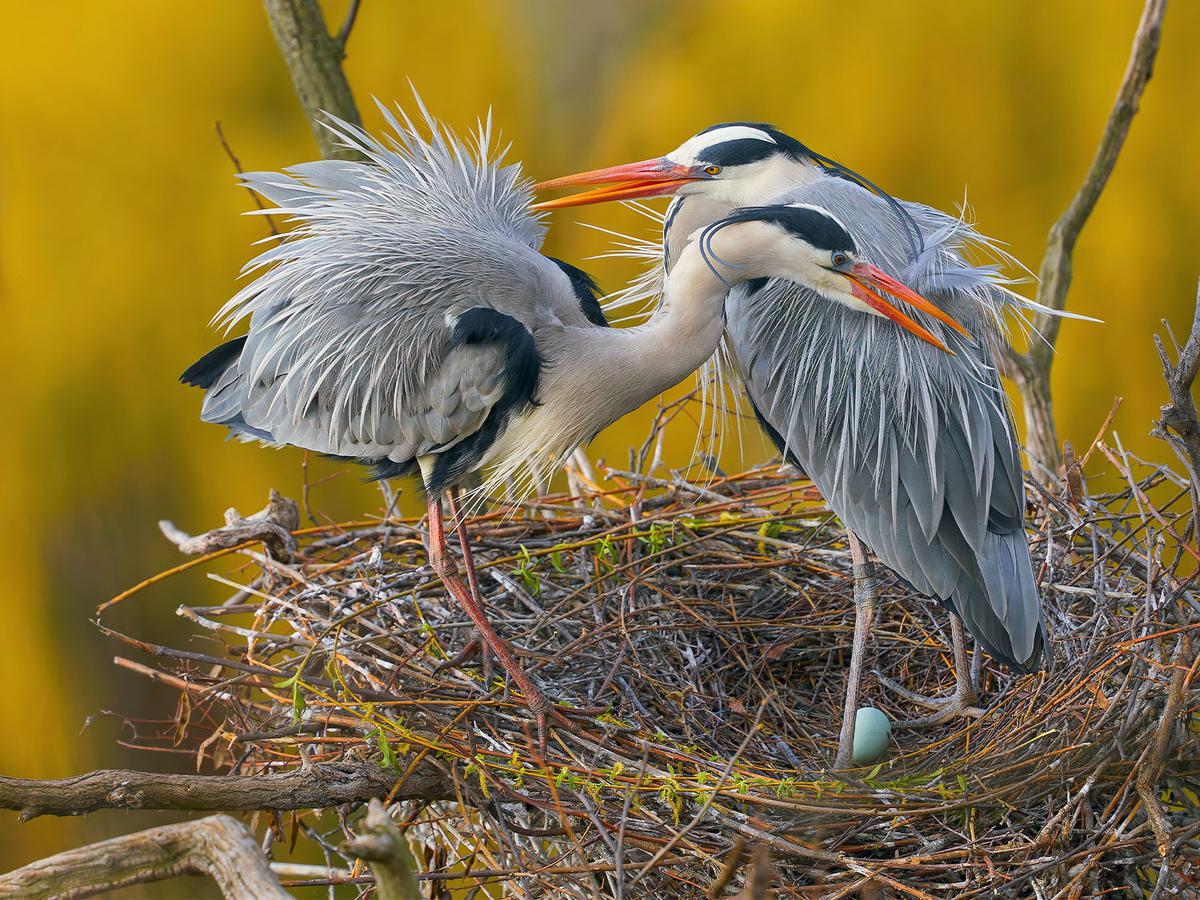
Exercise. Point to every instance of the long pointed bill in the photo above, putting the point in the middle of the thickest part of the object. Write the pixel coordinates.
(648, 178)
(866, 283)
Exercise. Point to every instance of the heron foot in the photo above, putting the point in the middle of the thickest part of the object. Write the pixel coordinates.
(959, 704)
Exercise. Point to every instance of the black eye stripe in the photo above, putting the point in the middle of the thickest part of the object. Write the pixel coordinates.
(737, 152)
(813, 226)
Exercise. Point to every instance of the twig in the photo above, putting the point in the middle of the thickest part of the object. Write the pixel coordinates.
(1031, 369)
(237, 167)
(1151, 767)
(343, 35)
(219, 847)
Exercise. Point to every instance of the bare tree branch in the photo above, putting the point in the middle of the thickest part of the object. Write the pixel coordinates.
(381, 843)
(314, 59)
(1179, 425)
(343, 35)
(273, 525)
(219, 847)
(315, 787)
(1031, 369)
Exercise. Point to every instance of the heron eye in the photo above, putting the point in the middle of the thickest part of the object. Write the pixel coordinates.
(840, 259)
(712, 170)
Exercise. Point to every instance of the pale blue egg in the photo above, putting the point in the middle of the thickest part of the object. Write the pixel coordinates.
(871, 732)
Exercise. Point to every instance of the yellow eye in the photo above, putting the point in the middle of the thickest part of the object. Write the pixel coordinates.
(712, 170)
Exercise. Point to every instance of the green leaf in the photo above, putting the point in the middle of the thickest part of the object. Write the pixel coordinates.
(389, 757)
(298, 704)
(875, 771)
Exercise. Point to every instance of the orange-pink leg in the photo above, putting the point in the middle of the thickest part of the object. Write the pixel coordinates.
(476, 644)
(443, 564)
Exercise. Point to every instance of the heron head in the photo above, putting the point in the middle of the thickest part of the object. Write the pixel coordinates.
(809, 245)
(739, 163)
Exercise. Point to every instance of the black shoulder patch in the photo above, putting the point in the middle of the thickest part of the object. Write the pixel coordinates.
(586, 290)
(205, 371)
(522, 371)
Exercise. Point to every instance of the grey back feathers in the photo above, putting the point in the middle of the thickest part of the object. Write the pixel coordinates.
(914, 449)
(354, 346)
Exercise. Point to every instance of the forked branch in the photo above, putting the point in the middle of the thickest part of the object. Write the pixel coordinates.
(1179, 425)
(219, 847)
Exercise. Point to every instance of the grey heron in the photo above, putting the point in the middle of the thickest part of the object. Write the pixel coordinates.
(409, 321)
(914, 450)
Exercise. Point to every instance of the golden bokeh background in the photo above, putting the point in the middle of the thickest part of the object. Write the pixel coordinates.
(120, 235)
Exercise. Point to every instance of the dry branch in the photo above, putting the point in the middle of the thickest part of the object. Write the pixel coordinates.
(320, 785)
(1031, 369)
(273, 525)
(218, 847)
(380, 842)
(1180, 424)
(314, 60)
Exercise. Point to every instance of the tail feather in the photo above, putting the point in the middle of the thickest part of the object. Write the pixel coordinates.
(205, 371)
(1003, 610)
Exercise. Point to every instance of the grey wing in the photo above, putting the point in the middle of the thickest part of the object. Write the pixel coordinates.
(283, 392)
(914, 449)
(389, 323)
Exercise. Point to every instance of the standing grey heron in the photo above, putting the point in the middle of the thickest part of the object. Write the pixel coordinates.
(913, 449)
(409, 322)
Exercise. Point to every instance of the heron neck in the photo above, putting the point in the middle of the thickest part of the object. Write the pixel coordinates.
(686, 329)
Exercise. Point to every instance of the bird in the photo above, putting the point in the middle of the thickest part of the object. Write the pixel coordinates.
(409, 321)
(914, 450)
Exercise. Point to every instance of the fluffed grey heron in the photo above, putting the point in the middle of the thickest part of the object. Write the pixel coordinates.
(409, 322)
(915, 450)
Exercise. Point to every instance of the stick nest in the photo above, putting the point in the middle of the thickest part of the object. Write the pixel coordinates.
(698, 637)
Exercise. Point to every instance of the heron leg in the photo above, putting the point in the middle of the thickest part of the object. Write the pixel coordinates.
(960, 703)
(864, 611)
(477, 644)
(443, 564)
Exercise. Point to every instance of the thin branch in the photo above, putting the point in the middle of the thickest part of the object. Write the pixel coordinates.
(219, 847)
(237, 167)
(1032, 368)
(316, 787)
(343, 35)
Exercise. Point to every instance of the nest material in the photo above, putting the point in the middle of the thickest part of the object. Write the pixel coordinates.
(699, 638)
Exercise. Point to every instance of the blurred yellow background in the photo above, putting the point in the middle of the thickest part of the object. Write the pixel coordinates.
(120, 235)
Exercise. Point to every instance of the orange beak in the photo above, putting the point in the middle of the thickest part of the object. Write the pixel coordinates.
(866, 283)
(648, 178)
